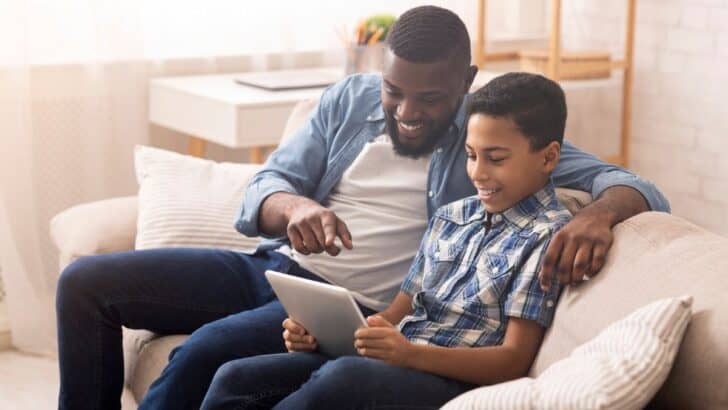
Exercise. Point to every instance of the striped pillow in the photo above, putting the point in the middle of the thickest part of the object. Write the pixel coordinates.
(189, 202)
(621, 368)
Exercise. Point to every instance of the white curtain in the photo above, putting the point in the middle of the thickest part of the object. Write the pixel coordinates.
(73, 92)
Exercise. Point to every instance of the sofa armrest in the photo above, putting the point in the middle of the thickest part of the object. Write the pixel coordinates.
(95, 227)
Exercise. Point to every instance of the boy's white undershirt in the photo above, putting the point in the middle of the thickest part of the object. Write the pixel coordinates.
(381, 198)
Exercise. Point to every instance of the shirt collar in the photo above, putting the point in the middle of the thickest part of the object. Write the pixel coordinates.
(527, 209)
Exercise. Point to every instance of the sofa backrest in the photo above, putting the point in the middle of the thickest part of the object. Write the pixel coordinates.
(656, 255)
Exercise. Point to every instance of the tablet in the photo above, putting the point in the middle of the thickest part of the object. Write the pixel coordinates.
(328, 312)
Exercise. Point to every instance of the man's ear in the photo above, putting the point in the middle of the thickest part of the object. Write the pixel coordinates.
(470, 77)
(551, 156)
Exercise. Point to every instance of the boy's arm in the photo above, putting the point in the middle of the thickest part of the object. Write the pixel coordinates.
(400, 307)
(580, 248)
(482, 365)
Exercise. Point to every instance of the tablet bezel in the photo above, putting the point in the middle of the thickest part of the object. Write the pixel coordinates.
(328, 312)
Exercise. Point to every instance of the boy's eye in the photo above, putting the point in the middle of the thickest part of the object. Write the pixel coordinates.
(496, 160)
(469, 155)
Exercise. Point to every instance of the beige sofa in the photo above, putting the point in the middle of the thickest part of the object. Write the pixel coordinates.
(654, 255)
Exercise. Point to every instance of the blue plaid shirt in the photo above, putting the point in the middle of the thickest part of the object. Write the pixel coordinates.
(469, 277)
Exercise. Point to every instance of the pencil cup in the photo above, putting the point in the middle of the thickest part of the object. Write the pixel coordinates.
(365, 58)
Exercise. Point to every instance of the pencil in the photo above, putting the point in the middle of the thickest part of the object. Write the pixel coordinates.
(376, 36)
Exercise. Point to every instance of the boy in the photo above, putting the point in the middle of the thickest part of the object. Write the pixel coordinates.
(471, 311)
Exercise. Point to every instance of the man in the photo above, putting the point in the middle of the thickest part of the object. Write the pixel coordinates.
(346, 200)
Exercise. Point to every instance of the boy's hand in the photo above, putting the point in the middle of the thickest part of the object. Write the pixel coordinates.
(313, 228)
(383, 341)
(297, 338)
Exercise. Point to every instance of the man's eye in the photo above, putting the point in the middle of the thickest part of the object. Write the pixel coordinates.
(431, 100)
(391, 92)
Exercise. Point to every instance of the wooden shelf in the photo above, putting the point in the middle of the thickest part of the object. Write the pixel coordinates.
(557, 70)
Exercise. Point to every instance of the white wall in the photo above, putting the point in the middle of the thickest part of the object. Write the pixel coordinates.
(680, 113)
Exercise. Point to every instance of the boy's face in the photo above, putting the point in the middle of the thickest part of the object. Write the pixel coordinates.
(502, 165)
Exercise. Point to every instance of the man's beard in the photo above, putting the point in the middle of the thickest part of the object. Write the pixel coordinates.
(427, 146)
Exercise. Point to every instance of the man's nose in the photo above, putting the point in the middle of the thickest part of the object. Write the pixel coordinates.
(408, 110)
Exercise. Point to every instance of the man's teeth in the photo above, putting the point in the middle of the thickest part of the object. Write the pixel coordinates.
(410, 127)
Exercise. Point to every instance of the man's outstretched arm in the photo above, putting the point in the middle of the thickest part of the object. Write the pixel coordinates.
(580, 247)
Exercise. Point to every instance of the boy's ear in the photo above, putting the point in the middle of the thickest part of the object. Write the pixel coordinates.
(551, 156)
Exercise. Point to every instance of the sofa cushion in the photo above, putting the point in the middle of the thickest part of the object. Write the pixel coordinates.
(189, 202)
(152, 357)
(621, 368)
(95, 227)
(656, 255)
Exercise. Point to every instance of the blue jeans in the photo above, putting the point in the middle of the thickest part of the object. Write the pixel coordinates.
(221, 297)
(301, 381)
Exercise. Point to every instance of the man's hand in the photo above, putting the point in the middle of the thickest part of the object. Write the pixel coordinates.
(383, 341)
(312, 228)
(579, 249)
(297, 338)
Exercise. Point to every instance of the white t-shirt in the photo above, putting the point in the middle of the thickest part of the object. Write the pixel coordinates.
(381, 198)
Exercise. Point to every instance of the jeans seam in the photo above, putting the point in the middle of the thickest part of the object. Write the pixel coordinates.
(165, 303)
(98, 369)
(250, 399)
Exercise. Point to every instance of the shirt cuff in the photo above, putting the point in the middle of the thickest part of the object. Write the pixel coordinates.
(255, 194)
(655, 200)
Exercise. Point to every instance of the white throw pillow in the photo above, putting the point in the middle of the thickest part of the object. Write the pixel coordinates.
(189, 202)
(621, 368)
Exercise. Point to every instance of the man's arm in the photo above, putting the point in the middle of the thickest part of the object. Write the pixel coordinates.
(296, 167)
(310, 227)
(580, 247)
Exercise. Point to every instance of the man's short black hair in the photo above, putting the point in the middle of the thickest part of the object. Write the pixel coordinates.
(535, 104)
(429, 34)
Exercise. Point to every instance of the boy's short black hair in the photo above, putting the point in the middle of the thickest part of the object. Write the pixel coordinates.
(429, 34)
(535, 104)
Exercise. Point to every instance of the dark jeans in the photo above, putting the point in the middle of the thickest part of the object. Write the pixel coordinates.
(302, 381)
(221, 297)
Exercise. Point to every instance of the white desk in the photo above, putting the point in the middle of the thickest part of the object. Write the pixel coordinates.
(215, 108)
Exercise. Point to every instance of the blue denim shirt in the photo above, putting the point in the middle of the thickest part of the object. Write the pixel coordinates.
(350, 114)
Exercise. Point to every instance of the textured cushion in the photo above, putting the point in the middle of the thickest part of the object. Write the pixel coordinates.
(95, 227)
(621, 368)
(189, 202)
(654, 256)
(153, 355)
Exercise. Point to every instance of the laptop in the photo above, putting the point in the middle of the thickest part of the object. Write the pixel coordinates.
(281, 80)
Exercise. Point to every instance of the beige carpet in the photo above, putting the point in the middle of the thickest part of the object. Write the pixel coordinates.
(31, 382)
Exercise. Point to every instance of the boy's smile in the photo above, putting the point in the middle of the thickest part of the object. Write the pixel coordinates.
(502, 165)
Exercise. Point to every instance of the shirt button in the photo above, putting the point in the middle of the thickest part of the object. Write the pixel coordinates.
(430, 194)
(549, 303)
(439, 150)
(497, 218)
